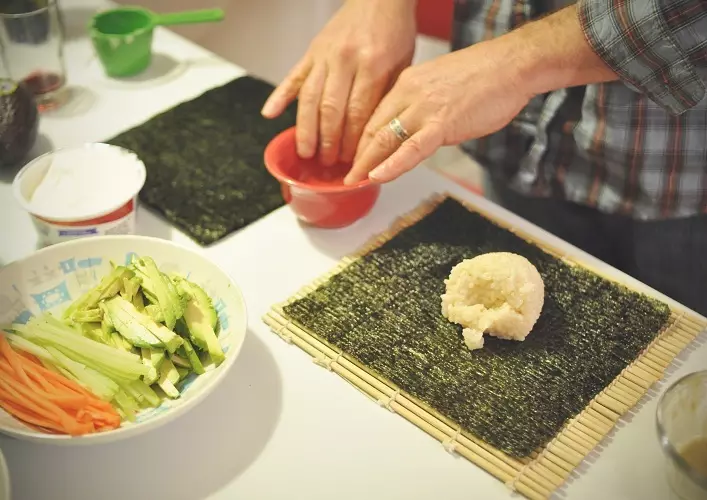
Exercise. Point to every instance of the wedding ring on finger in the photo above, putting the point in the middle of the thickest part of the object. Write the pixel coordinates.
(398, 130)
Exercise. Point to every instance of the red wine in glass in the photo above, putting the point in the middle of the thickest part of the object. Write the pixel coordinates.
(43, 84)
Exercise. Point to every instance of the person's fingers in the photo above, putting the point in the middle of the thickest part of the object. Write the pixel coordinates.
(307, 130)
(332, 111)
(366, 94)
(382, 144)
(288, 89)
(411, 153)
(389, 108)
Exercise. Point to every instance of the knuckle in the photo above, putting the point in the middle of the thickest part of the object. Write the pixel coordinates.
(329, 111)
(369, 133)
(369, 57)
(357, 116)
(296, 79)
(415, 146)
(308, 98)
(382, 140)
(346, 50)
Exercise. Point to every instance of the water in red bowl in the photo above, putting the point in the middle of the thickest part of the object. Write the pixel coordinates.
(316, 193)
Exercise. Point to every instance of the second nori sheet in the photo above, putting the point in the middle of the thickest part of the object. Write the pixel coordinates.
(204, 159)
(385, 311)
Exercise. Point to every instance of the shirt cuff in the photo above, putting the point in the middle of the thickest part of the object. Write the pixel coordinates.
(633, 38)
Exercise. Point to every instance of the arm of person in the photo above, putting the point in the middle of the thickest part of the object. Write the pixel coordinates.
(658, 47)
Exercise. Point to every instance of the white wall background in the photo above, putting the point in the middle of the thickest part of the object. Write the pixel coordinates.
(266, 37)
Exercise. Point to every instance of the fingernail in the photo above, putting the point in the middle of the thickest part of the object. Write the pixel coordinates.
(349, 180)
(268, 108)
(377, 174)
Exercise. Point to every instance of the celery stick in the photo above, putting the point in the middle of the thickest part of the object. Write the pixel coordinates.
(96, 382)
(101, 356)
(146, 392)
(127, 404)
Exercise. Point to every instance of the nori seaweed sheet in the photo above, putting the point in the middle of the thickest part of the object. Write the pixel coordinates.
(204, 159)
(385, 311)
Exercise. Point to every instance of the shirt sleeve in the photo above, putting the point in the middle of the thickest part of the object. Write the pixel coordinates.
(659, 47)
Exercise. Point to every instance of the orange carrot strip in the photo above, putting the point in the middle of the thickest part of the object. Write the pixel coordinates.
(63, 397)
(105, 417)
(13, 398)
(30, 418)
(14, 359)
(103, 405)
(60, 379)
(33, 376)
(58, 400)
(15, 375)
(29, 357)
(59, 397)
(27, 397)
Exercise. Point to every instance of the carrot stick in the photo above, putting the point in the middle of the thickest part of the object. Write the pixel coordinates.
(29, 357)
(40, 397)
(64, 384)
(11, 397)
(64, 396)
(14, 374)
(24, 415)
(41, 380)
(26, 398)
(14, 359)
(59, 379)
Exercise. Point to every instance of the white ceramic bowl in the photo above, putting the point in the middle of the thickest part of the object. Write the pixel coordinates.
(52, 277)
(4, 479)
(69, 211)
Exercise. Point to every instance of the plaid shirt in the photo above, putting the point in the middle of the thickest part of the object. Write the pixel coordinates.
(638, 146)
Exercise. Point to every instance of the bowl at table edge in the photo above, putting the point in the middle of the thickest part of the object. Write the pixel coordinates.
(51, 278)
(329, 206)
(5, 486)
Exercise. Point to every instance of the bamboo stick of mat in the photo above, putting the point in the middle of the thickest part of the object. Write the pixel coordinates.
(547, 469)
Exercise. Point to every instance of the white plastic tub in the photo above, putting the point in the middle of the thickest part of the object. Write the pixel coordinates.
(90, 190)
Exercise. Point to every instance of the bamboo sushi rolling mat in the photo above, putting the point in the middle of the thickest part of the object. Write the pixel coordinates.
(542, 472)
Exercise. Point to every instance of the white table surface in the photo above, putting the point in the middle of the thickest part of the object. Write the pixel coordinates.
(279, 426)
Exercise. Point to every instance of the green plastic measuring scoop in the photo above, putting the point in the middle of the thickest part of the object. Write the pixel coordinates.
(122, 37)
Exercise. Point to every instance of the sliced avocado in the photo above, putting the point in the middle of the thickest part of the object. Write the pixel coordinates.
(171, 371)
(131, 324)
(130, 287)
(156, 285)
(154, 311)
(193, 357)
(88, 316)
(168, 373)
(200, 317)
(154, 357)
(109, 286)
(169, 339)
(178, 361)
(183, 372)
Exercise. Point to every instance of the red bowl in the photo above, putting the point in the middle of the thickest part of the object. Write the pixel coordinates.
(316, 193)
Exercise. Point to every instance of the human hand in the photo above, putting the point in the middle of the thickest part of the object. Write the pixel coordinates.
(460, 96)
(346, 71)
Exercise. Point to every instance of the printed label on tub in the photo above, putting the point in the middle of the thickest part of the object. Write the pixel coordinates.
(121, 221)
